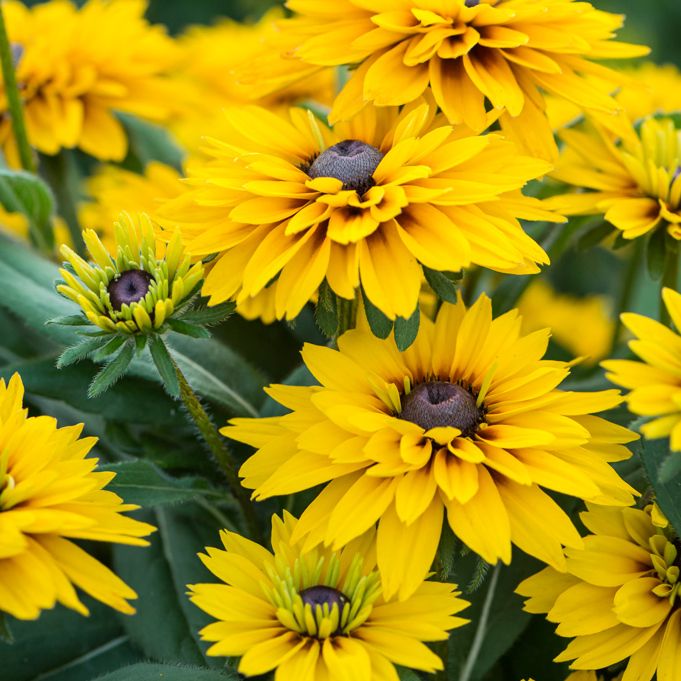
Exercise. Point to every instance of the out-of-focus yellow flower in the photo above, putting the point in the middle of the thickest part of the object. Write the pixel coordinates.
(17, 225)
(50, 495)
(580, 325)
(76, 67)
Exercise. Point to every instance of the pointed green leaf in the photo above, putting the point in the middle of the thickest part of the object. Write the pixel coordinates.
(406, 330)
(379, 324)
(112, 372)
(79, 352)
(443, 285)
(165, 366)
(108, 349)
(326, 311)
(655, 253)
(70, 320)
(188, 328)
(167, 672)
(593, 235)
(210, 315)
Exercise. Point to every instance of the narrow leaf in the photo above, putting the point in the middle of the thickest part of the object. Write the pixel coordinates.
(76, 353)
(379, 324)
(442, 284)
(112, 372)
(167, 672)
(406, 330)
(165, 366)
(210, 315)
(655, 254)
(593, 236)
(70, 320)
(188, 328)
(326, 313)
(108, 349)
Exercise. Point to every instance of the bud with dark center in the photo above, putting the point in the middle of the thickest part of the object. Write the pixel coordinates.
(439, 403)
(319, 595)
(130, 287)
(350, 161)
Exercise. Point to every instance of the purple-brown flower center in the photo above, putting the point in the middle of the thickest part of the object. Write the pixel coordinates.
(440, 403)
(129, 288)
(350, 161)
(320, 595)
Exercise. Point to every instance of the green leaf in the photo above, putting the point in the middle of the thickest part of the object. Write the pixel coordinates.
(165, 366)
(141, 482)
(108, 349)
(406, 330)
(407, 674)
(442, 284)
(670, 468)
(326, 311)
(112, 372)
(188, 328)
(379, 324)
(166, 672)
(148, 142)
(70, 320)
(593, 236)
(23, 192)
(77, 353)
(655, 254)
(5, 631)
(210, 315)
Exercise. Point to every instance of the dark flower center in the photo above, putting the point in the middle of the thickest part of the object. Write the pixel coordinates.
(350, 161)
(439, 403)
(130, 287)
(319, 595)
(471, 3)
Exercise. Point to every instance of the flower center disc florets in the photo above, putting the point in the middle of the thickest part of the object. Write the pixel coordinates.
(350, 161)
(129, 288)
(440, 403)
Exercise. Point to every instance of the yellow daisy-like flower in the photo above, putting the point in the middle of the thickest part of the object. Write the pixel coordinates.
(655, 380)
(634, 182)
(467, 421)
(76, 67)
(50, 494)
(319, 614)
(475, 55)
(366, 203)
(137, 290)
(619, 596)
(541, 307)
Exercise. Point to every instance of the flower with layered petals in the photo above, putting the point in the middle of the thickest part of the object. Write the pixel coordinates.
(319, 614)
(76, 67)
(480, 58)
(368, 202)
(468, 421)
(633, 182)
(619, 595)
(138, 289)
(50, 495)
(654, 382)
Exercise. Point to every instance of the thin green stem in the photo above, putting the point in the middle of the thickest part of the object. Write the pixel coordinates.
(625, 291)
(13, 98)
(481, 630)
(670, 275)
(347, 314)
(219, 450)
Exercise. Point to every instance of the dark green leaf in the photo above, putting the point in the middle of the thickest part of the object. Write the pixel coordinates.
(407, 674)
(210, 315)
(148, 142)
(141, 482)
(77, 353)
(379, 324)
(188, 328)
(593, 236)
(406, 330)
(70, 320)
(5, 631)
(112, 372)
(620, 241)
(108, 349)
(166, 672)
(655, 253)
(326, 311)
(670, 468)
(165, 366)
(442, 284)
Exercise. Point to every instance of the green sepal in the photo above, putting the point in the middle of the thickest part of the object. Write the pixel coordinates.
(443, 283)
(656, 254)
(77, 353)
(164, 365)
(70, 320)
(140, 342)
(406, 330)
(208, 316)
(113, 371)
(326, 312)
(188, 329)
(108, 349)
(593, 236)
(379, 324)
(5, 631)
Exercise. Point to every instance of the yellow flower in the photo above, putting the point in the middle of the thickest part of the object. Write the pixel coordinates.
(542, 307)
(480, 58)
(619, 597)
(75, 67)
(140, 288)
(319, 614)
(368, 202)
(634, 182)
(655, 381)
(50, 494)
(468, 420)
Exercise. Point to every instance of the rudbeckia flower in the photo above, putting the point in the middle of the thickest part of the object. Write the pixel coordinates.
(655, 380)
(634, 182)
(76, 67)
(619, 596)
(319, 614)
(468, 422)
(480, 58)
(51, 495)
(368, 202)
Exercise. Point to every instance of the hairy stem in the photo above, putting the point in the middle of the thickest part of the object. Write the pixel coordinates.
(13, 99)
(219, 450)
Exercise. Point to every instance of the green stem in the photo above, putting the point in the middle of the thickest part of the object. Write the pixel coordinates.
(219, 450)
(60, 173)
(481, 629)
(347, 314)
(625, 291)
(13, 99)
(670, 275)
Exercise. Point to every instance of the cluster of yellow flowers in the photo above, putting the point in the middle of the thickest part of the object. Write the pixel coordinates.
(352, 151)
